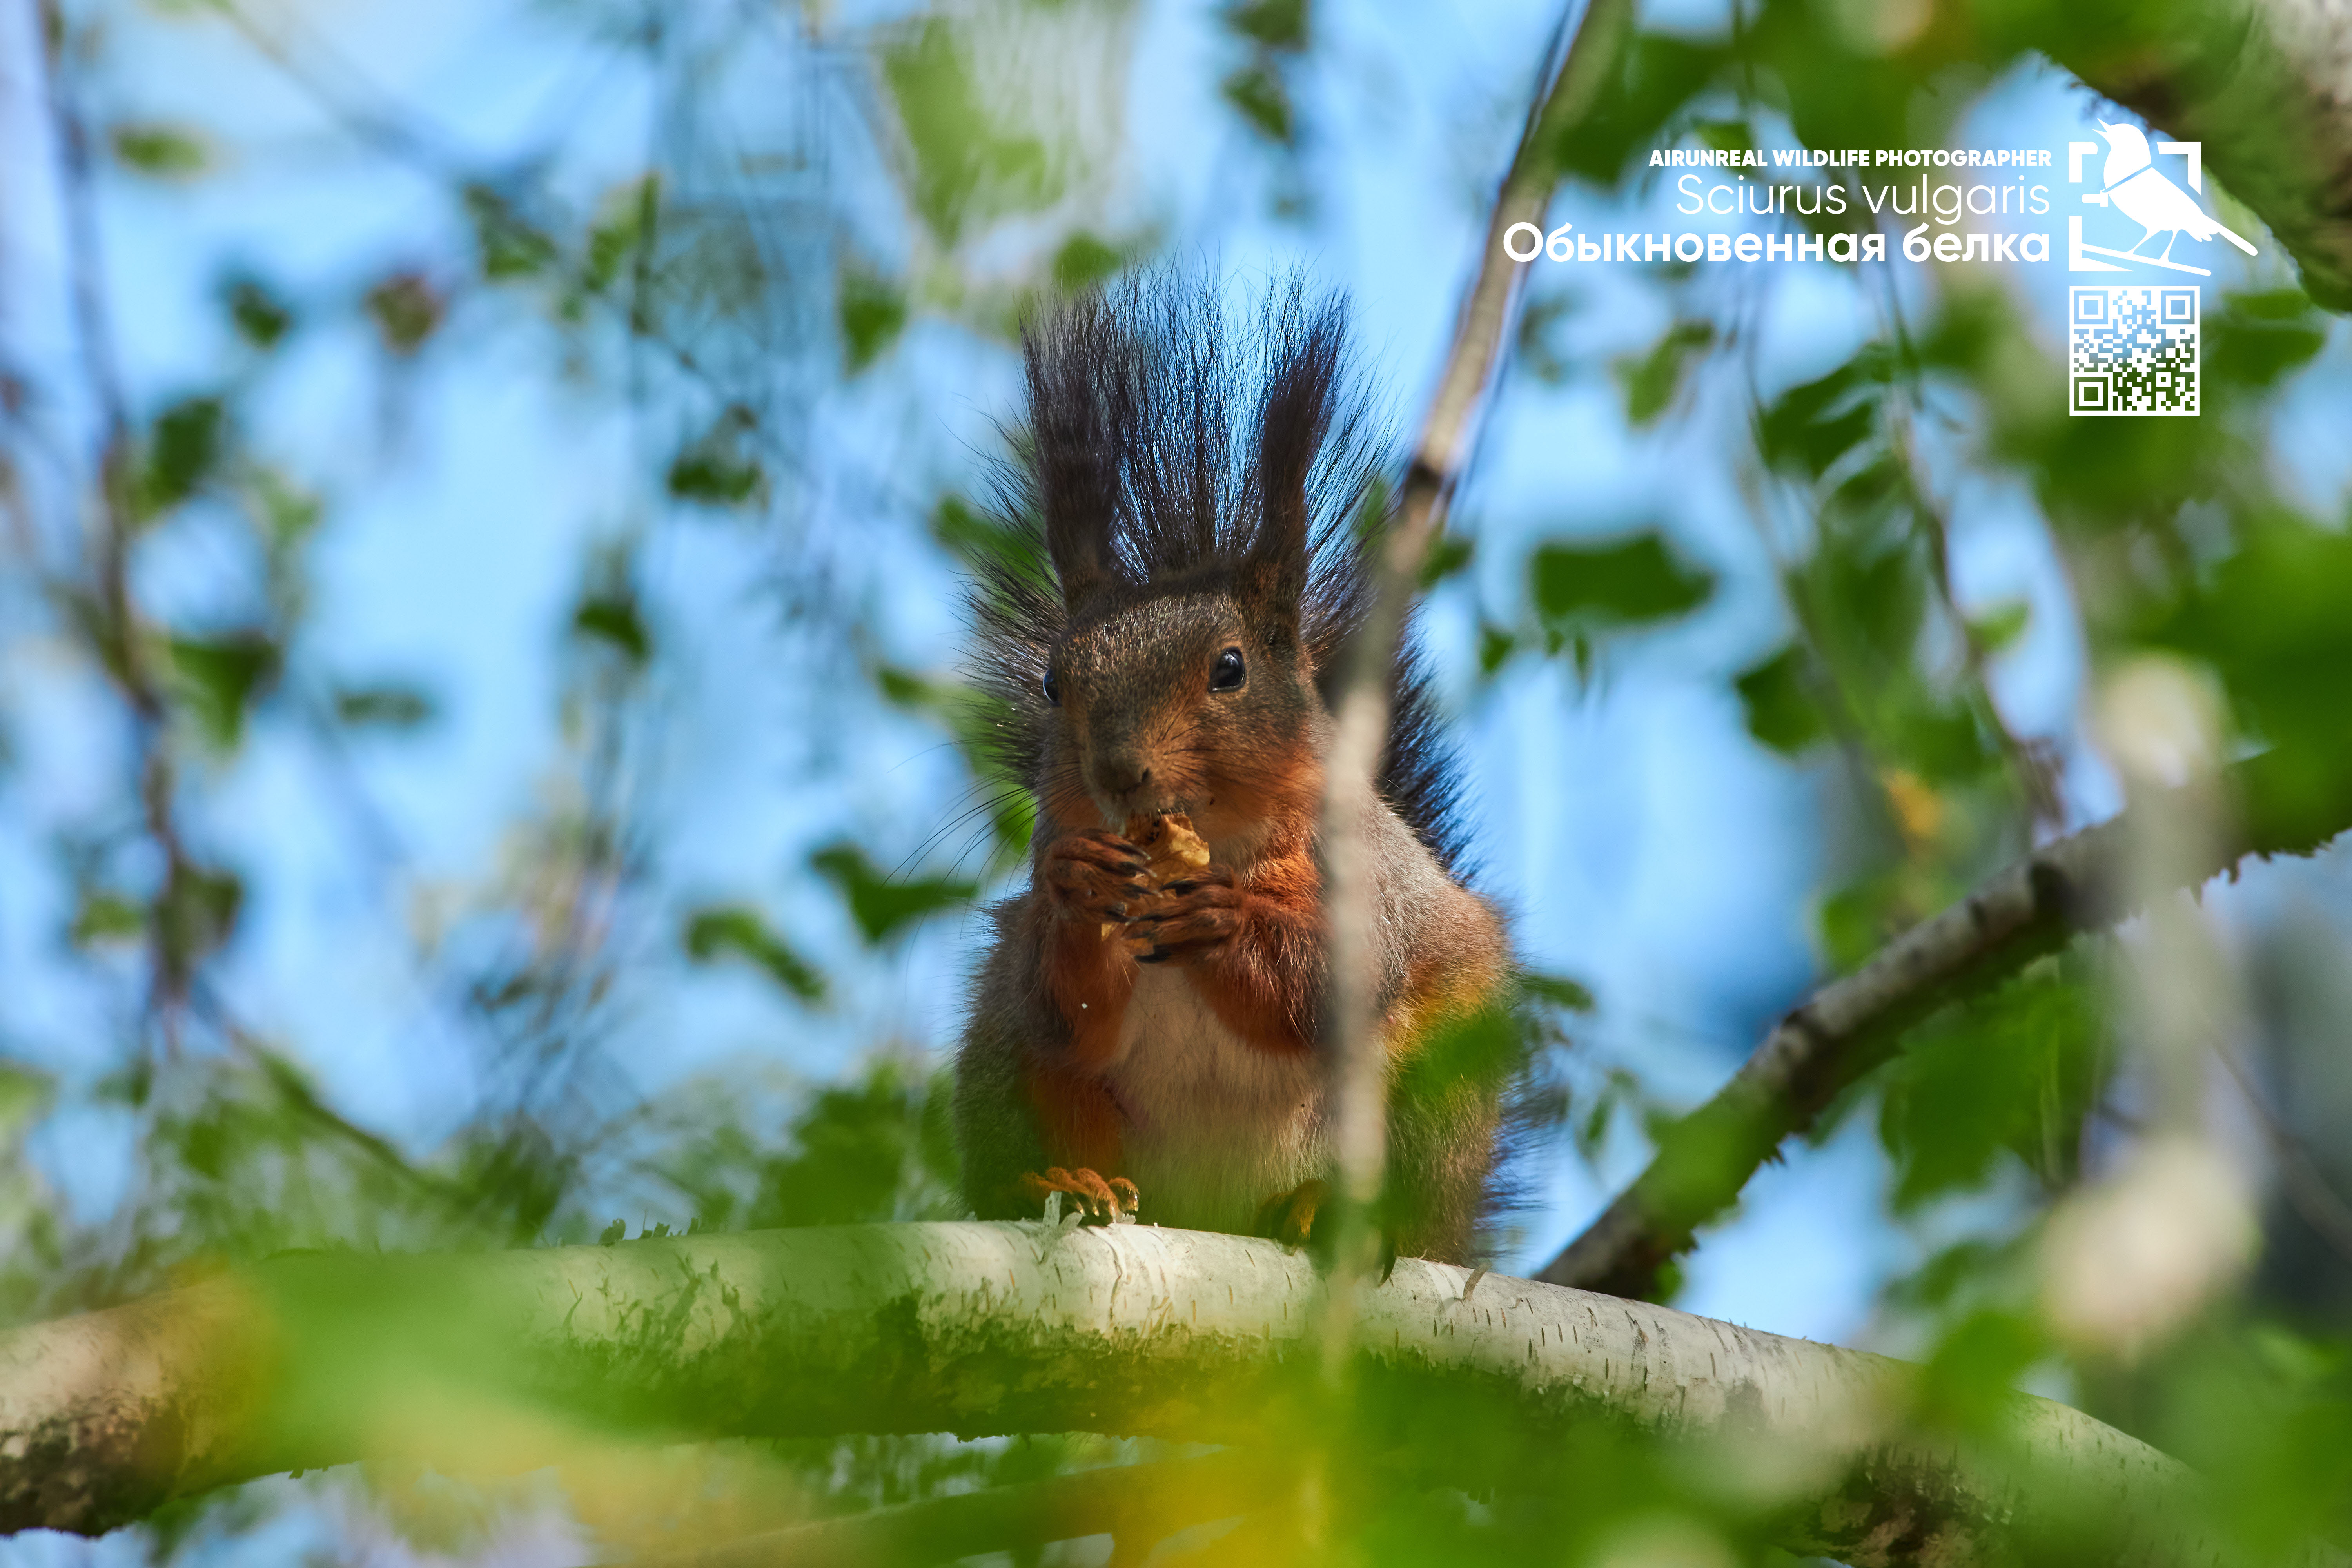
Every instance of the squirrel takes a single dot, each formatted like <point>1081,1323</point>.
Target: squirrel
<point>1158,1048</point>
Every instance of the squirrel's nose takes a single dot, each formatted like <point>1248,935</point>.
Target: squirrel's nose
<point>1121,775</point>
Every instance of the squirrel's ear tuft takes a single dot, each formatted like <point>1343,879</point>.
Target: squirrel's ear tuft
<point>1293,423</point>
<point>1073,443</point>
<point>1077,544</point>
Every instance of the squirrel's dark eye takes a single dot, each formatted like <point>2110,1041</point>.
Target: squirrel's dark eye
<point>1227,674</point>
<point>1053,693</point>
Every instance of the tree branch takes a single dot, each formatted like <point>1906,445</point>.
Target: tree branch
<point>2265,85</point>
<point>1826,1043</point>
<point>500,1359</point>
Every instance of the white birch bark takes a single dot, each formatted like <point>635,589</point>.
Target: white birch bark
<point>973,1327</point>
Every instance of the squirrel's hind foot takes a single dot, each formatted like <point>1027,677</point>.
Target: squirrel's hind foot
<point>1290,1218</point>
<point>1103,1200</point>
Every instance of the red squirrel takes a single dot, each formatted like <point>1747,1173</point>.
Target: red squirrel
<point>1155,1049</point>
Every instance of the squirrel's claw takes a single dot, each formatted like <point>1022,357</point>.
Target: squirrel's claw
<point>1100,1199</point>
<point>1195,919</point>
<point>1095,874</point>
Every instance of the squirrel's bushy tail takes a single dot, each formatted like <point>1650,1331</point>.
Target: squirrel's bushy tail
<point>1153,408</point>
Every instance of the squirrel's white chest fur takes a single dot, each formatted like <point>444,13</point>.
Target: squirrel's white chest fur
<point>1213,1126</point>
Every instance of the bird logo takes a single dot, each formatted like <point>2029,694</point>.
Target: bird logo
<point>2143,193</point>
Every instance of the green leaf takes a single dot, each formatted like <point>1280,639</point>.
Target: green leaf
<point>1256,91</point>
<point>1944,739</point>
<point>2271,622</point>
<point>1448,554</point>
<point>1084,261</point>
<point>873,314</point>
<point>24,1092</point>
<point>406,311</point>
<point>105,917</point>
<point>612,619</point>
<point>165,151</point>
<point>1810,426</point>
<point>718,469</point>
<point>1967,1385</point>
<point>197,913</point>
<point>967,165</point>
<point>723,929</point>
<point>288,511</point>
<point>1270,24</point>
<point>1652,380</point>
<point>217,679</point>
<point>615,236</point>
<point>2256,338</point>
<point>183,450</point>
<point>505,246</point>
<point>1780,712</point>
<point>382,707</point>
<point>1725,135</point>
<point>858,1152</point>
<point>2011,1075</point>
<point>1558,991</point>
<point>1494,646</point>
<point>259,316</point>
<point>1660,75</point>
<point>2000,625</point>
<point>981,539</point>
<point>881,905</point>
<point>1596,587</point>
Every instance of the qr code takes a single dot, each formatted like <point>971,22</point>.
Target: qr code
<point>2131,349</point>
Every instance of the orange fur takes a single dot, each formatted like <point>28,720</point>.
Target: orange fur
<point>1089,979</point>
<point>1077,1118</point>
<point>1266,986</point>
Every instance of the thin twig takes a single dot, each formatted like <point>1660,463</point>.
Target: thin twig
<point>2035,906</point>
<point>2030,771</point>
<point>1361,729</point>
<point>123,642</point>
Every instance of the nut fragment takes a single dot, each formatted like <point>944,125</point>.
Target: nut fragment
<point>1174,847</point>
<point>1171,842</point>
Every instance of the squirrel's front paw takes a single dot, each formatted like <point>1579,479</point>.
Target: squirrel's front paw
<point>1194,918</point>
<point>1095,874</point>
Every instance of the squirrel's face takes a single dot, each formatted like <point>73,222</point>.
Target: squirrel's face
<point>1179,702</point>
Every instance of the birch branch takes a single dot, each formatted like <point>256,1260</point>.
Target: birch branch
<point>498,1360</point>
<point>2033,907</point>
<point>2264,85</point>
<point>1362,710</point>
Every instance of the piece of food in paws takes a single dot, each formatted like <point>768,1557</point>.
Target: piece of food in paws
<point>1171,842</point>
<point>1174,848</point>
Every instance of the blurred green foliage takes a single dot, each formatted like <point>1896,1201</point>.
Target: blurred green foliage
<point>1608,585</point>
<point>735,930</point>
<point>971,161</point>
<point>883,905</point>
